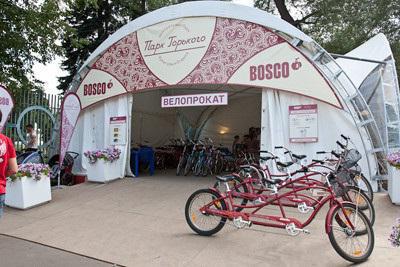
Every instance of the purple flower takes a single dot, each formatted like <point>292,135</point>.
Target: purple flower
<point>394,237</point>
<point>32,170</point>
<point>109,154</point>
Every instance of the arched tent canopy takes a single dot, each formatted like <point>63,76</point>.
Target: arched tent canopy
<point>208,45</point>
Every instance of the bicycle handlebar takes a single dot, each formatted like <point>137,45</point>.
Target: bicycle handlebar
<point>278,147</point>
<point>321,152</point>
<point>341,145</point>
<point>345,137</point>
<point>335,154</point>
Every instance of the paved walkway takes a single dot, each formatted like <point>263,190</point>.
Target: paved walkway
<point>140,222</point>
<point>20,253</point>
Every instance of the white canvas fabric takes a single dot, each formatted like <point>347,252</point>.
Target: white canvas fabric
<point>376,48</point>
<point>331,124</point>
<point>93,131</point>
<point>201,9</point>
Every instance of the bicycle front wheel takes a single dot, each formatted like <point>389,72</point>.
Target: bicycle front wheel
<point>359,198</point>
<point>363,183</point>
<point>201,222</point>
<point>350,243</point>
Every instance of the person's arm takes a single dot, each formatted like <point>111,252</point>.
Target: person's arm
<point>12,167</point>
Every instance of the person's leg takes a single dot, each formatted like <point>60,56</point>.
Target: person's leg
<point>2,199</point>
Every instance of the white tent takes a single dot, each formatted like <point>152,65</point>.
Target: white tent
<point>371,67</point>
<point>268,68</point>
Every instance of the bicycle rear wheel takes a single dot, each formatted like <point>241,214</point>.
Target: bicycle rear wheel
<point>350,243</point>
<point>200,222</point>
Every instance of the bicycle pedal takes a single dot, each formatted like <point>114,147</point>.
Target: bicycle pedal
<point>293,230</point>
<point>240,223</point>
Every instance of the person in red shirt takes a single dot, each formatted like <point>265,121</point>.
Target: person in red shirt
<point>8,164</point>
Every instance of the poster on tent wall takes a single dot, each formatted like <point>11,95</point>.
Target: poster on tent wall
<point>118,130</point>
<point>71,108</point>
<point>6,105</point>
<point>303,123</point>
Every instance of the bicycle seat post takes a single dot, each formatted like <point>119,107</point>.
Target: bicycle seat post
<point>228,189</point>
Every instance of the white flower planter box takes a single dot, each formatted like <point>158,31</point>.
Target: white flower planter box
<point>26,192</point>
<point>394,185</point>
<point>102,171</point>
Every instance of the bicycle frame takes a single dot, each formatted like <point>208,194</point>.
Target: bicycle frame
<point>277,221</point>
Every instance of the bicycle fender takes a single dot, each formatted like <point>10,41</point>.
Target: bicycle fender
<point>329,216</point>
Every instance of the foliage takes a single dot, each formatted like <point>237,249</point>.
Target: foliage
<point>27,32</point>
<point>31,170</point>
<point>109,154</point>
<point>342,25</point>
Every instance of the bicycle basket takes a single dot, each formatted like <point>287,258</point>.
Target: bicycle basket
<point>344,177</point>
<point>337,185</point>
<point>351,158</point>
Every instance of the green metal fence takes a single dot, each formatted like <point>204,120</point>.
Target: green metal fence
<point>42,111</point>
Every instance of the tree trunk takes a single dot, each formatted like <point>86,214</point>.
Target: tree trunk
<point>284,12</point>
<point>143,6</point>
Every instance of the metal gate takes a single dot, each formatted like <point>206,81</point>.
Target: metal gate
<point>42,111</point>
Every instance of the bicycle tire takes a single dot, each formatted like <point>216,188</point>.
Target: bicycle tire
<point>181,163</point>
<point>369,191</point>
<point>190,217</point>
<point>369,233</point>
<point>188,166</point>
<point>369,206</point>
<point>198,168</point>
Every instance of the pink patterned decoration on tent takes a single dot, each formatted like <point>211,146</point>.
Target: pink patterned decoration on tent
<point>71,108</point>
<point>234,42</point>
<point>6,105</point>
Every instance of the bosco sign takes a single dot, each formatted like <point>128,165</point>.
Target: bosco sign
<point>273,71</point>
<point>98,85</point>
<point>96,88</point>
<point>194,100</point>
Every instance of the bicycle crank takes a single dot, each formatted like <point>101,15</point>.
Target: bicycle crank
<point>240,223</point>
<point>303,208</point>
<point>292,230</point>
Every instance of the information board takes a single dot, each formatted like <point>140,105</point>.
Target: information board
<point>303,123</point>
<point>118,130</point>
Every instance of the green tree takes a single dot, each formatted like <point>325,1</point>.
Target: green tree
<point>27,33</point>
<point>90,22</point>
<point>341,25</point>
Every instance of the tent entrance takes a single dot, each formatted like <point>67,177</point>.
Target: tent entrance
<point>163,128</point>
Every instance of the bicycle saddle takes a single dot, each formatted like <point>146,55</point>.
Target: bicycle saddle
<point>226,178</point>
<point>284,164</point>
<point>274,181</point>
<point>299,156</point>
<point>268,158</point>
